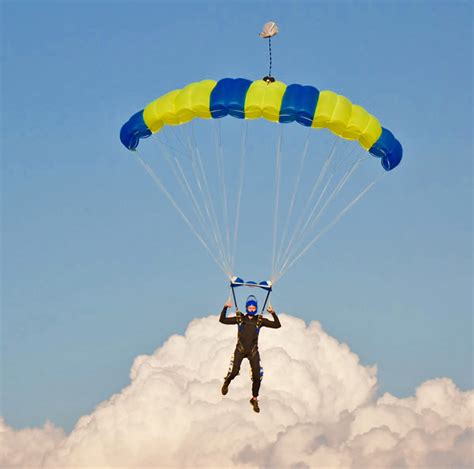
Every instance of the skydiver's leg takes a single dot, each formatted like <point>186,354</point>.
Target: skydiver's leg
<point>254,360</point>
<point>236,362</point>
<point>233,370</point>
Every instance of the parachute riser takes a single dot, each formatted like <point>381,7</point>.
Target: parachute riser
<point>265,302</point>
<point>233,295</point>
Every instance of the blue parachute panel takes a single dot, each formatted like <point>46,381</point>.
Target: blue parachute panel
<point>299,104</point>
<point>228,98</point>
<point>133,130</point>
<point>389,149</point>
<point>392,159</point>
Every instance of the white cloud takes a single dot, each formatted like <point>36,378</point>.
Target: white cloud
<point>318,410</point>
<point>27,447</point>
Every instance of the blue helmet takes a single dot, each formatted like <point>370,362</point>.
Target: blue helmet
<point>251,301</point>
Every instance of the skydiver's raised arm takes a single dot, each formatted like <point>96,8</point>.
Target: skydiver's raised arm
<point>275,324</point>
<point>223,319</point>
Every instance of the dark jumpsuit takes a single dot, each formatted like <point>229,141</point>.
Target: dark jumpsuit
<point>247,343</point>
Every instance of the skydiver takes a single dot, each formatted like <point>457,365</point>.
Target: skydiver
<point>247,343</point>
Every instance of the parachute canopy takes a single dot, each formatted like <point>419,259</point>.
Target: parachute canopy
<point>274,101</point>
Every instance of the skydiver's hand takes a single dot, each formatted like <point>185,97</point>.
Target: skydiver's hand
<point>228,304</point>
<point>270,309</point>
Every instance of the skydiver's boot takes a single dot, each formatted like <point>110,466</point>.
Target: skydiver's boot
<point>225,386</point>
<point>255,406</point>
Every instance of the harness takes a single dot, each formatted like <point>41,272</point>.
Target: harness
<point>258,325</point>
<point>240,321</point>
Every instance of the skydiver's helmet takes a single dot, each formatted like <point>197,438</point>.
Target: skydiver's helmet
<point>251,305</point>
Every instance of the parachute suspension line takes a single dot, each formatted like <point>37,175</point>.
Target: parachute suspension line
<point>327,164</point>
<point>319,178</point>
<point>179,174</point>
<point>277,196</point>
<point>168,195</point>
<point>177,130</point>
<point>172,148</point>
<point>293,197</point>
<point>339,186</point>
<point>213,211</point>
<point>203,185</point>
<point>243,154</point>
<point>308,222</point>
<point>346,158</point>
<point>217,224</point>
<point>177,169</point>
<point>332,223</point>
<point>205,226</point>
<point>181,177</point>
<point>222,186</point>
<point>314,216</point>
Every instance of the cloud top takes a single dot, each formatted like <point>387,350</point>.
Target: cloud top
<point>318,410</point>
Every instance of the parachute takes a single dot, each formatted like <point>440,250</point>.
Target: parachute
<point>206,205</point>
<point>274,101</point>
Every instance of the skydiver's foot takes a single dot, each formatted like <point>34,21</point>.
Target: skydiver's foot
<point>225,387</point>
<point>255,406</point>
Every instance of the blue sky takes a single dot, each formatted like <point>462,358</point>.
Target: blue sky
<point>97,268</point>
